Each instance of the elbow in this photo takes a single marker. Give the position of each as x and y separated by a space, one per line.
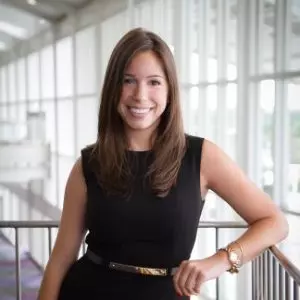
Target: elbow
282 226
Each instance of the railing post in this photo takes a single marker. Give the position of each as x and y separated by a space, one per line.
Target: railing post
275 280
270 276
281 283
18 271
261 277
296 291
265 274
287 286
253 264
49 240
218 279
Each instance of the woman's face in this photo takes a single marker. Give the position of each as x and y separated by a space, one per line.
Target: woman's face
144 93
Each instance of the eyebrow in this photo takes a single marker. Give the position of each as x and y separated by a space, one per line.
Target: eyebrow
150 76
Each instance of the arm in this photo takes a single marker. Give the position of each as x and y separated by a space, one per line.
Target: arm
267 225
70 235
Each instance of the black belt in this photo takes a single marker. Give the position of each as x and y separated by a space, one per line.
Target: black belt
130 268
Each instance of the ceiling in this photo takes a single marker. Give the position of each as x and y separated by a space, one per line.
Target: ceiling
21 19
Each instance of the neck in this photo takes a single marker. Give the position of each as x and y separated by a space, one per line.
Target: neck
140 140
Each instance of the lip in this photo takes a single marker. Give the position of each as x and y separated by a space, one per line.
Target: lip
139 113
136 107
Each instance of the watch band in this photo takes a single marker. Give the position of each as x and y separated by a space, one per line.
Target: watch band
234 258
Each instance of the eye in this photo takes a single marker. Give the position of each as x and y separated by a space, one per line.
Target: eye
128 80
155 82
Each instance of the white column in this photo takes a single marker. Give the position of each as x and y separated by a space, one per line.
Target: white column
281 151
202 49
57 184
245 118
75 92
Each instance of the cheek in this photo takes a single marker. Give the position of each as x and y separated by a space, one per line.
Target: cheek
125 94
161 97
163 104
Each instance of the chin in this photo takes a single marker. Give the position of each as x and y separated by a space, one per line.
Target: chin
141 127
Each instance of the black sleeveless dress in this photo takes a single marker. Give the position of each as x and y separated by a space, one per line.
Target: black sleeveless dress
144 231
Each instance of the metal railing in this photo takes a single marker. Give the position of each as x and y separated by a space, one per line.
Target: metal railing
274 277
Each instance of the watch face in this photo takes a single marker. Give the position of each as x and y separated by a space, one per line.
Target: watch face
233 257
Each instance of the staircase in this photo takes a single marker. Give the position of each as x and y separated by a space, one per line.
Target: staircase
23 161
24 154
31 273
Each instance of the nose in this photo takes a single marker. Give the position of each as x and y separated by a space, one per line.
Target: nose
140 92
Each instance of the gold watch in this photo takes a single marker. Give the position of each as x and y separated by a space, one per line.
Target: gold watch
234 259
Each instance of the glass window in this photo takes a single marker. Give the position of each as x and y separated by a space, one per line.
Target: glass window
212 69
293 200
3 82
142 14
66 127
86 67
50 184
12 112
267 102
87 121
64 75
21 79
22 117
2 112
231 15
212 102
65 165
47 70
12 83
231 118
112 30
49 109
267 34
294 34
33 77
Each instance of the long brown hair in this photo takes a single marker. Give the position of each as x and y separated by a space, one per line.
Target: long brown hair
109 152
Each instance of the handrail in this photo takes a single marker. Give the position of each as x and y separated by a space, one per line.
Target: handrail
222 225
293 271
54 223
28 224
290 212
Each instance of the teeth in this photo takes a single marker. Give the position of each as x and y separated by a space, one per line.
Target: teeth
139 110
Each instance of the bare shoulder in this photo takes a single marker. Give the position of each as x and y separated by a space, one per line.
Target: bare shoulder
76 178
215 160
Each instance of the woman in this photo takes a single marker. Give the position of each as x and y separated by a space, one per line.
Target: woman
139 192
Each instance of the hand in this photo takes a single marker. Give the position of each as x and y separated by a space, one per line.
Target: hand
192 274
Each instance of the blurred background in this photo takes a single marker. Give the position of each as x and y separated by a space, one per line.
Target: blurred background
239 69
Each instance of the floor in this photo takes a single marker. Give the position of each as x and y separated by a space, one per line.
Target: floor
31 274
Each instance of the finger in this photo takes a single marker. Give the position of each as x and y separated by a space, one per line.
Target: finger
182 280
177 276
189 285
197 284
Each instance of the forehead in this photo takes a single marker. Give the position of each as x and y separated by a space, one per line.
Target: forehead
144 63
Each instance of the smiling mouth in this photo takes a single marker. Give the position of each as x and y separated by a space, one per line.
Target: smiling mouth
139 111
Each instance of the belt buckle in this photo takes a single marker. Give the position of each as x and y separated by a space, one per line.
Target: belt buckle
138 270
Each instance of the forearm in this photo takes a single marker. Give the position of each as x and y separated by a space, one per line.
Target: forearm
258 237
51 282
262 234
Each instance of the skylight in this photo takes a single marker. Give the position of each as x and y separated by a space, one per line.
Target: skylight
2 46
32 2
13 30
